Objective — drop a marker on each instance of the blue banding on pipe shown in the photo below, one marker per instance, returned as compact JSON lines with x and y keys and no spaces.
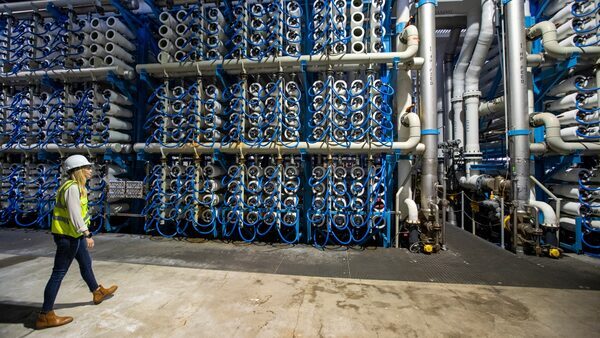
{"x":400,"y":27}
{"x":422,"y":2}
{"x":518,"y":132}
{"x":430,"y":132}
{"x":504,"y":2}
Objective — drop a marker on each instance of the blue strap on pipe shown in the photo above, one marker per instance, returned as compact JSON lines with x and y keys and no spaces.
{"x":505,"y":2}
{"x":400,"y":27}
{"x":430,"y":132}
{"x":423,"y":2}
{"x":518,"y":132}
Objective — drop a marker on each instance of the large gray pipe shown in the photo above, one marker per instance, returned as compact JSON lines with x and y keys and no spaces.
{"x":428,"y":109}
{"x":79,"y":149}
{"x":41,"y":5}
{"x":458,"y":78}
{"x":472,"y":94}
{"x":516,"y":101}
{"x":448,"y":60}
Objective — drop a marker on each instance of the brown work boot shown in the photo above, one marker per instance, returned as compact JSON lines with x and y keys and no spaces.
{"x":50,"y":319}
{"x":101,"y":293}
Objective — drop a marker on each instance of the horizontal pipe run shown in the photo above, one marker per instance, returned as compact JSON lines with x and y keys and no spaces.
{"x":79,"y":149}
{"x":276,"y":148}
{"x":279,"y":64}
{"x":186,"y":69}
{"x":83,"y":74}
{"x":555,"y":141}
{"x":283,"y":63}
{"x":547,"y":30}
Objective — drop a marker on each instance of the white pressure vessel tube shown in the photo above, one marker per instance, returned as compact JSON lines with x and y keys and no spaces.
{"x":215,"y":15}
{"x":356,"y":6}
{"x":114,"y":97}
{"x":97,"y":50}
{"x":376,"y":47}
{"x":114,"y":49}
{"x":112,"y":60}
{"x":99,"y":25}
{"x":213,"y":91}
{"x":114,"y":123}
{"x":114,"y":23}
{"x":293,"y":9}
{"x":165,"y":44}
{"x":357,"y":19}
{"x":183,"y":17}
{"x":167,"y":19}
{"x":97,"y":37}
{"x":117,"y":111}
{"x":182,"y":44}
{"x":164,"y":57}
{"x":567,"y":86}
{"x":358,"y":35}
{"x":167,"y":32}
{"x":180,"y":55}
{"x":118,"y":137}
{"x":183,"y":30}
{"x":96,"y":61}
{"x":84,"y":51}
{"x":116,"y":37}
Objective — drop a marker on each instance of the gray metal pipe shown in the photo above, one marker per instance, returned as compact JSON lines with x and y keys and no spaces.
{"x":185,"y":69}
{"x":448,"y":59}
{"x":428,"y":108}
{"x":458,"y":78}
{"x":410,"y":36}
{"x":315,"y":148}
{"x":83,"y":74}
{"x":411,"y":144}
{"x":516,"y":99}
{"x":41,"y":5}
{"x":547,"y":30}
{"x":79,"y":149}
{"x":472,"y":94}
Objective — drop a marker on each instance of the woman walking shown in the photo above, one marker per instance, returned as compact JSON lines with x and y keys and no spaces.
{"x":70,"y":222}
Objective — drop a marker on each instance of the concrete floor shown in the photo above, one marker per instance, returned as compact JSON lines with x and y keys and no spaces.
{"x":164,"y":301}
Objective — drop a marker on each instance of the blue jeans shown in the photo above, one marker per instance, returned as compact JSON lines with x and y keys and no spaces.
{"x":68,"y":248}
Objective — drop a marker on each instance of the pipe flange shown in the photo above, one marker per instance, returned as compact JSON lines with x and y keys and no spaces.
{"x":456,"y":99}
{"x":471,"y":93}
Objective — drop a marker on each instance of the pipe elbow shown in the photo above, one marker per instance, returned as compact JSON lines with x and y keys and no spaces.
{"x":555,"y":141}
{"x":547,"y":30}
{"x":538,"y":148}
{"x":541,"y":29}
{"x":550,"y":219}
{"x":412,"y":121}
{"x":413,"y":211}
{"x":410,"y":36}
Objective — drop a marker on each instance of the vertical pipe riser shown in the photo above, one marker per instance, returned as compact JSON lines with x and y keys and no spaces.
{"x":516,"y":99}
{"x":428,"y":106}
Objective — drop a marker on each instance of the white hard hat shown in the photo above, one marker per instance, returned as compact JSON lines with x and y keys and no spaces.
{"x":75,"y":161}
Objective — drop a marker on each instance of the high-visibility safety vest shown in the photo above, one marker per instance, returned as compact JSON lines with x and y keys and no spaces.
{"x":61,"y":221}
